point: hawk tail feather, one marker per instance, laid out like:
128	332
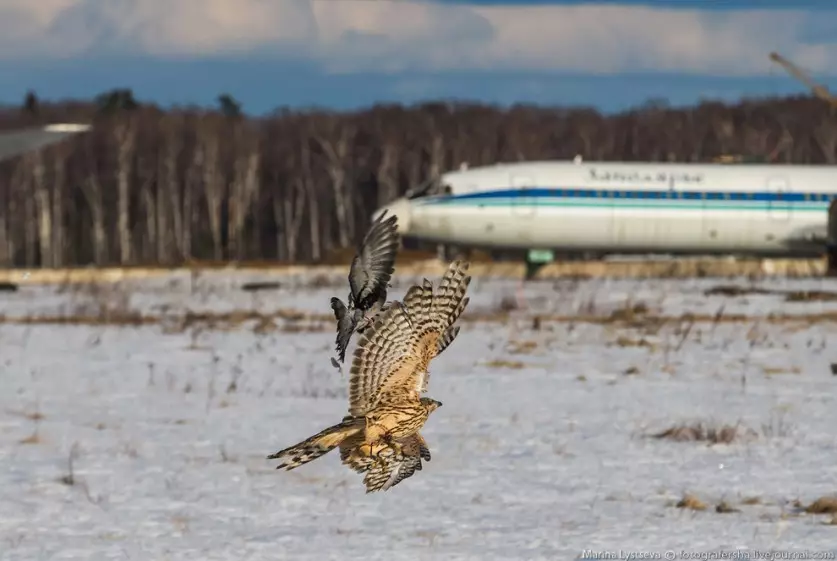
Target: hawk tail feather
321	443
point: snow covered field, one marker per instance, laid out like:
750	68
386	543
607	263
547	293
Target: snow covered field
134	422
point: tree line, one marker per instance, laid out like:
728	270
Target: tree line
149	186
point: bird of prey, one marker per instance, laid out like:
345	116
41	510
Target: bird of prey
369	277
380	435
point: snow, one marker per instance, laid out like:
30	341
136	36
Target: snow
540	451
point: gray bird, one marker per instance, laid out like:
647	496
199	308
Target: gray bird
369	278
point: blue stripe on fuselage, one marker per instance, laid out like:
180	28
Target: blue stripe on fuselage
635	195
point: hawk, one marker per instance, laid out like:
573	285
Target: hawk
380	435
369	277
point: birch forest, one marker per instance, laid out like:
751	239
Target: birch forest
149	186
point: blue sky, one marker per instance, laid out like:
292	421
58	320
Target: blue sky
352	53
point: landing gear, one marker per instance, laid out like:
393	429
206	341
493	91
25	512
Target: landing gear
532	269
535	260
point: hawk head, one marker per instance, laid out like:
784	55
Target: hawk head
430	404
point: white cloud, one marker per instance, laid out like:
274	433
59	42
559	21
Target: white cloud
352	35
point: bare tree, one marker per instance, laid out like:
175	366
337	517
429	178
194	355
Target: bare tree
337	151
244	190
125	137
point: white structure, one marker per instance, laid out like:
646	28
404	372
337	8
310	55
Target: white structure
16	142
612	207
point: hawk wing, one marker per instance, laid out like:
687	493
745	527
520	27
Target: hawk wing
390	468
374	263
392	357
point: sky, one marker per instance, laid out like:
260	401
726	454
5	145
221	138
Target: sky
348	54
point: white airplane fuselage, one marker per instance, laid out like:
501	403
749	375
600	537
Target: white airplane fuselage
616	207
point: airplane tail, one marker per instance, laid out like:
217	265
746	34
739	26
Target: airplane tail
321	443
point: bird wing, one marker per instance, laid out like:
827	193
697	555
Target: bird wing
345	326
390	468
374	263
392	357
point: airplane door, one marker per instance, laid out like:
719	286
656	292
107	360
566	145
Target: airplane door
779	205
524	203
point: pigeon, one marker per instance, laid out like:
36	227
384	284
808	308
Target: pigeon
369	277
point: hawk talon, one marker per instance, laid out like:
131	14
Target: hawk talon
364	323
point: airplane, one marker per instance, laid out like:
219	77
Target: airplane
623	208
16	142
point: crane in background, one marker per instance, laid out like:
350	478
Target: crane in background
792	69
818	90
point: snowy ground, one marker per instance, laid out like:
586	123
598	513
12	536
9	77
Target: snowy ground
541	450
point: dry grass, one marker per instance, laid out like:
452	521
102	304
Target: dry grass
691	502
724	507
789	295
500	363
625	341
425	262
31	415
34	438
522	347
651	323
773	370
823	505
702	432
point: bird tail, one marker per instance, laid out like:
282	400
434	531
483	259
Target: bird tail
321	443
346	324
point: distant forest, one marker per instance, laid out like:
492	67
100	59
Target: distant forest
165	187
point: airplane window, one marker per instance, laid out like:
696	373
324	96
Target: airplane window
420	190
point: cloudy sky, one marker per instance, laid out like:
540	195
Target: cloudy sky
350	53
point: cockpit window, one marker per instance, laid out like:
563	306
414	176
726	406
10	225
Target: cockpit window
421	190
427	188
